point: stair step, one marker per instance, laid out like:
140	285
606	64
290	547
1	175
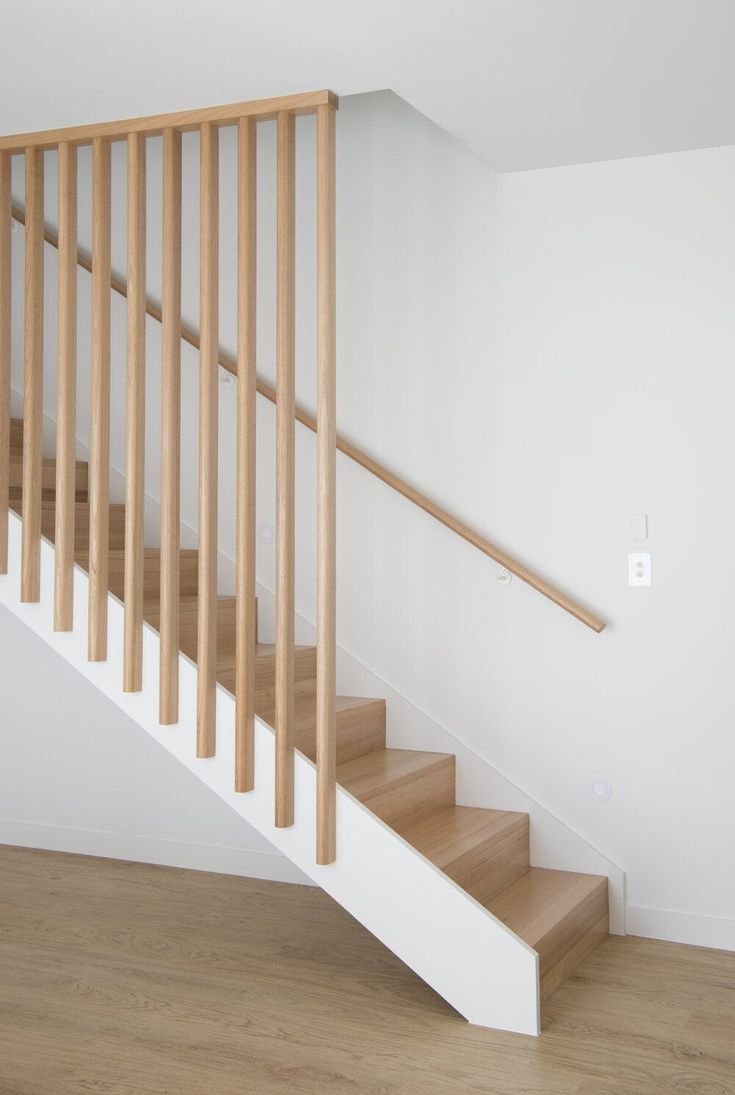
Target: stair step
81	523
265	670
400	784
483	851
360	724
48	479
188	617
188	572
562	915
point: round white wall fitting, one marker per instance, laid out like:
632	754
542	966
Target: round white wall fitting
504	577
600	789
266	534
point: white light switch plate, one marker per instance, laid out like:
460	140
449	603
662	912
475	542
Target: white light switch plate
639	526
639	568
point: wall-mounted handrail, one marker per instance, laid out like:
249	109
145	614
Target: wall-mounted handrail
191	337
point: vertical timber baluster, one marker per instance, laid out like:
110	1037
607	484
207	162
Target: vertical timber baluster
5	328
326	489
135	418
208	378
285	474
30	580
170	428
99	457
246	394
66	391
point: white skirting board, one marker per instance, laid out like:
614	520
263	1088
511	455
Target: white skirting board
678	926
487	973
245	862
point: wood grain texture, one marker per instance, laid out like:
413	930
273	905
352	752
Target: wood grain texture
135	418
188	572
246	620
483	851
208	396
562	915
99	450
168	703
116	525
30	580
400	784
106	985
66	486
183	120
285	465
326	684
80	479
5	333
374	467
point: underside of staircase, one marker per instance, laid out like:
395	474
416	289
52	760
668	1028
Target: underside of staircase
480	853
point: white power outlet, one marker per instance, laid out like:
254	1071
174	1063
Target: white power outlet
639	568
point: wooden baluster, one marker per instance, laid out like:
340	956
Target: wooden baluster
285	476
66	391
135	418
99	462
208	378
5	329
246	394
30	581
170	428
326	489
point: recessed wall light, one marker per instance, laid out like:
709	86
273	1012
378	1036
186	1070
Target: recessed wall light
600	789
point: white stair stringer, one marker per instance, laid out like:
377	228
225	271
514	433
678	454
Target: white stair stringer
480	967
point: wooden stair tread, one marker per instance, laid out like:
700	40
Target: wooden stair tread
188	571
398	784
117	554
188	607
360	724
262	650
561	914
265	668
387	767
48	505
48	478
449	834
481	850
534	904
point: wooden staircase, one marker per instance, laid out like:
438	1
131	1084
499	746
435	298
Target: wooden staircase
561	915
449	888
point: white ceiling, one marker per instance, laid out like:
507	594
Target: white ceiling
525	83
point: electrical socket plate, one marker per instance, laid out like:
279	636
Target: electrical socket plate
639	568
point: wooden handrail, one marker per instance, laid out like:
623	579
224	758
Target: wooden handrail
190	336
182	120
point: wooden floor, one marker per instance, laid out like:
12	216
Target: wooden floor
126	979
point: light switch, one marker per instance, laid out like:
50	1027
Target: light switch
639	526
639	568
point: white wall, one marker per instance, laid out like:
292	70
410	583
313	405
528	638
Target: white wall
615	392
545	354
79	775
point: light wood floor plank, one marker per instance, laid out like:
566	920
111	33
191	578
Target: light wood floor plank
127	979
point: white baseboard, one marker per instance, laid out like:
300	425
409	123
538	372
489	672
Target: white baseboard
245	862
676	926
